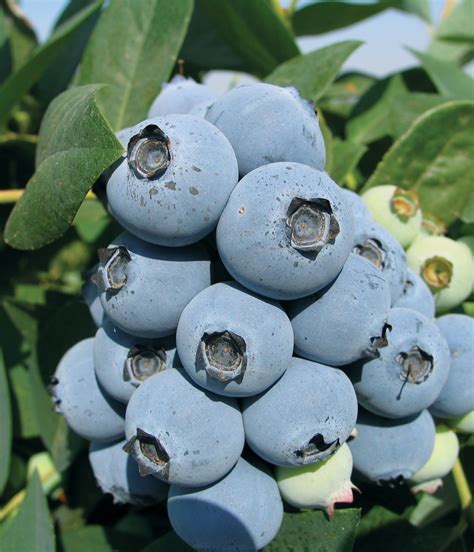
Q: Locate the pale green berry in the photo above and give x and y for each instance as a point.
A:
(397, 210)
(320, 484)
(463, 424)
(446, 266)
(440, 463)
(469, 241)
(42, 463)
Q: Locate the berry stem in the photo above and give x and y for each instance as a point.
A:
(464, 492)
(14, 195)
(18, 137)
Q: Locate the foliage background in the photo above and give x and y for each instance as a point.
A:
(412, 128)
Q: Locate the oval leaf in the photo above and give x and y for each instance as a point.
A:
(133, 48)
(22, 80)
(75, 146)
(32, 528)
(313, 73)
(442, 169)
(5, 425)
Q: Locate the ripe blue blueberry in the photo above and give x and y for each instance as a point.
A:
(416, 295)
(180, 95)
(266, 124)
(409, 372)
(457, 396)
(345, 321)
(304, 417)
(77, 395)
(241, 512)
(122, 361)
(180, 433)
(391, 451)
(286, 231)
(375, 243)
(233, 342)
(358, 208)
(174, 181)
(117, 473)
(144, 287)
(90, 294)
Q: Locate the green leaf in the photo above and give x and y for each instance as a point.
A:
(451, 81)
(322, 17)
(22, 35)
(133, 48)
(75, 146)
(32, 528)
(25, 422)
(430, 508)
(442, 168)
(314, 532)
(5, 58)
(96, 538)
(371, 119)
(342, 96)
(30, 72)
(313, 73)
(5, 425)
(58, 75)
(169, 542)
(254, 30)
(458, 27)
(91, 220)
(421, 8)
(345, 156)
(405, 108)
(468, 211)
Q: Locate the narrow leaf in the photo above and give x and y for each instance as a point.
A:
(342, 96)
(22, 35)
(32, 528)
(254, 30)
(322, 17)
(405, 108)
(345, 156)
(313, 73)
(5, 425)
(442, 169)
(30, 72)
(372, 121)
(451, 81)
(133, 49)
(75, 146)
(458, 26)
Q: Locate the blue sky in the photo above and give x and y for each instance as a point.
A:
(385, 35)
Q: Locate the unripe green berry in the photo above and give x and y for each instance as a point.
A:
(463, 424)
(397, 210)
(446, 266)
(469, 241)
(318, 485)
(440, 463)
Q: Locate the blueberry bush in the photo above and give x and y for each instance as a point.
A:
(248, 390)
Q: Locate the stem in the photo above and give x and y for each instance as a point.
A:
(464, 492)
(13, 196)
(12, 504)
(447, 8)
(15, 137)
(291, 8)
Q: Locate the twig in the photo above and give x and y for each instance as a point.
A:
(13, 196)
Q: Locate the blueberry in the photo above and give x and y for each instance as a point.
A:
(445, 452)
(122, 361)
(457, 396)
(173, 183)
(144, 287)
(373, 242)
(416, 295)
(90, 294)
(200, 109)
(409, 372)
(117, 473)
(446, 266)
(286, 231)
(358, 208)
(180, 433)
(304, 417)
(397, 210)
(241, 512)
(391, 451)
(233, 342)
(318, 485)
(180, 95)
(78, 396)
(345, 321)
(266, 124)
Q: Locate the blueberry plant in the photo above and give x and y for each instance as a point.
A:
(234, 322)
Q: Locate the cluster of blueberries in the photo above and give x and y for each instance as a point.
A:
(251, 301)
